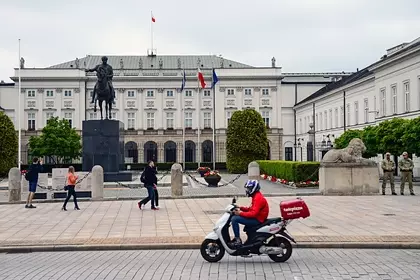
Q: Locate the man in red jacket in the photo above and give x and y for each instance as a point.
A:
(251, 216)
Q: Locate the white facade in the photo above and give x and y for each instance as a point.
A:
(149, 102)
(386, 89)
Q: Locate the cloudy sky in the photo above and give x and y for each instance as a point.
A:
(303, 35)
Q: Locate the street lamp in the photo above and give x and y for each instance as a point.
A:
(301, 148)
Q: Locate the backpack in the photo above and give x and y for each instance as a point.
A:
(143, 177)
(28, 175)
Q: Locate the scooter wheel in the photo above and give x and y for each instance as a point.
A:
(212, 250)
(285, 244)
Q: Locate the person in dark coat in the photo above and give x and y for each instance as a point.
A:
(34, 170)
(148, 177)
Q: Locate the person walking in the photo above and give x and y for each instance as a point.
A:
(406, 168)
(71, 185)
(388, 166)
(32, 177)
(148, 177)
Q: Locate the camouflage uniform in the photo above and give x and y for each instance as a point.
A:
(388, 166)
(406, 168)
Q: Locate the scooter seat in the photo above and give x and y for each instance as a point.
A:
(266, 223)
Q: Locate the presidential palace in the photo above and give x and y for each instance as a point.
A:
(303, 112)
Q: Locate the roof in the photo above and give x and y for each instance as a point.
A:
(332, 86)
(359, 74)
(3, 84)
(155, 62)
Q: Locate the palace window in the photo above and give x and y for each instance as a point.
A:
(31, 121)
(150, 118)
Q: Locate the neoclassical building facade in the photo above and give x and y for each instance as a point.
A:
(154, 111)
(388, 88)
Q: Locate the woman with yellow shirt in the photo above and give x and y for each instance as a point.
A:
(71, 185)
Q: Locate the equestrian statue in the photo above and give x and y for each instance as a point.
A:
(104, 90)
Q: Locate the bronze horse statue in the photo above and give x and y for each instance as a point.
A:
(103, 92)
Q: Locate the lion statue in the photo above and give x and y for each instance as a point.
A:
(352, 153)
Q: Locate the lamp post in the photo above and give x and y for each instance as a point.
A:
(299, 144)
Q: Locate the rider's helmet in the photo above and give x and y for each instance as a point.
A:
(104, 59)
(251, 187)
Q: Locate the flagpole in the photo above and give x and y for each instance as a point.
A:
(19, 116)
(151, 29)
(183, 126)
(214, 122)
(199, 124)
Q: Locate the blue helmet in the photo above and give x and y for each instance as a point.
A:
(251, 187)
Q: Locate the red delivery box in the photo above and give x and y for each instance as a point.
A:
(294, 209)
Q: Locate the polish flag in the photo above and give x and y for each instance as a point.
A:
(201, 78)
(153, 18)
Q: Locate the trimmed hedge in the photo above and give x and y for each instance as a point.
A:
(246, 140)
(47, 168)
(8, 145)
(293, 171)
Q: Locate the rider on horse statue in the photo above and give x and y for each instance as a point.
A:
(109, 73)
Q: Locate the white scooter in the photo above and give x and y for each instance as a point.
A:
(270, 238)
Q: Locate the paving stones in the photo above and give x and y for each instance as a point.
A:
(304, 264)
(187, 221)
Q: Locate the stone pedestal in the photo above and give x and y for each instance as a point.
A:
(253, 171)
(176, 179)
(103, 144)
(97, 181)
(14, 184)
(349, 178)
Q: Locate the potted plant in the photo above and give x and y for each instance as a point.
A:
(212, 178)
(203, 170)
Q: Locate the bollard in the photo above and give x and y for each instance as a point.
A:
(97, 182)
(253, 171)
(14, 184)
(176, 179)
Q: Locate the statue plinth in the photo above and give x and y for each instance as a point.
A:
(346, 172)
(349, 179)
(103, 144)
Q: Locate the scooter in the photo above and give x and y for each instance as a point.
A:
(269, 238)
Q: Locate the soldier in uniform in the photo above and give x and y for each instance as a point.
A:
(388, 166)
(110, 73)
(406, 168)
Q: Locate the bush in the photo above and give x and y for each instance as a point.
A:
(246, 140)
(8, 145)
(293, 171)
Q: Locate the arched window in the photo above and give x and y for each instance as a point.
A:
(170, 151)
(207, 148)
(131, 152)
(150, 151)
(189, 151)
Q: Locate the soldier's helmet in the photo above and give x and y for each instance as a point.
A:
(104, 59)
(405, 154)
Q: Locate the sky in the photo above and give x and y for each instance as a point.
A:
(303, 35)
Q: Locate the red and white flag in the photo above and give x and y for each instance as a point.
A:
(153, 18)
(201, 78)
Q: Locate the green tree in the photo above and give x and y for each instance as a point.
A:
(58, 140)
(8, 145)
(368, 136)
(410, 139)
(345, 138)
(370, 139)
(390, 134)
(246, 140)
